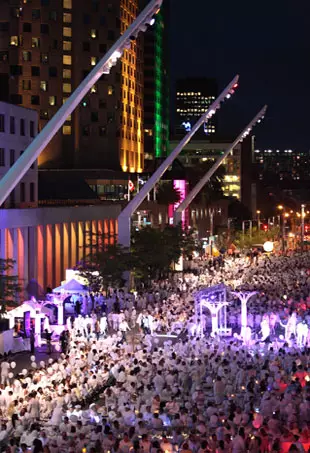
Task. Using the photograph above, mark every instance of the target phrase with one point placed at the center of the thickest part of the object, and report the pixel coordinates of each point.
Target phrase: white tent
(72, 287)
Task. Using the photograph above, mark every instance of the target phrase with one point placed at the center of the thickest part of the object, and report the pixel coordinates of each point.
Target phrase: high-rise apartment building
(156, 87)
(193, 97)
(47, 47)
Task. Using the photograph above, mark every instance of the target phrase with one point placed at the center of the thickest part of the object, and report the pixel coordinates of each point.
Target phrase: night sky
(267, 43)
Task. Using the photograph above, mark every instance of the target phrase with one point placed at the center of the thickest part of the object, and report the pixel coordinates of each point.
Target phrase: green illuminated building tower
(156, 90)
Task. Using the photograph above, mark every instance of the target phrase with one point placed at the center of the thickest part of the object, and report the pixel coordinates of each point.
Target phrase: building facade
(156, 88)
(44, 242)
(193, 97)
(283, 163)
(47, 47)
(197, 152)
(18, 127)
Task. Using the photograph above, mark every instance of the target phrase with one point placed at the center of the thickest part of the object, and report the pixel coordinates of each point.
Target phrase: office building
(198, 152)
(47, 47)
(193, 97)
(18, 128)
(284, 164)
(156, 88)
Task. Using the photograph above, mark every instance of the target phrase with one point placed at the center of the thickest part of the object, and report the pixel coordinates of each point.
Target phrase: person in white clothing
(5, 368)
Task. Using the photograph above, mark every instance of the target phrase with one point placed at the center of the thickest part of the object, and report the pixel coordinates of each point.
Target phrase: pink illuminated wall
(181, 186)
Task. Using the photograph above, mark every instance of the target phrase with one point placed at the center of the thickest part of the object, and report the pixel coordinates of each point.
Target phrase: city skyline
(267, 46)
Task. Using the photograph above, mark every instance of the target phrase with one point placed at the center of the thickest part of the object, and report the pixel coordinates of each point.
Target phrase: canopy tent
(73, 286)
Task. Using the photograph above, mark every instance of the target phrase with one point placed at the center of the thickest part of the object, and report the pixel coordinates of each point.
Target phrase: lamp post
(302, 226)
(285, 216)
(258, 219)
(280, 207)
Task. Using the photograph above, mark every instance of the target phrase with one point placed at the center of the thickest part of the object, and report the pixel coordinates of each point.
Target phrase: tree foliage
(153, 251)
(9, 286)
(166, 194)
(191, 243)
(258, 237)
(105, 267)
(152, 255)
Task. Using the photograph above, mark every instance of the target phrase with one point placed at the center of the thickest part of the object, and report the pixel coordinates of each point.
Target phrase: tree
(166, 194)
(9, 287)
(153, 251)
(191, 243)
(258, 237)
(105, 267)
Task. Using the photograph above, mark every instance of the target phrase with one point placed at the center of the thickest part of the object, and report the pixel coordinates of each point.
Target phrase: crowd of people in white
(109, 392)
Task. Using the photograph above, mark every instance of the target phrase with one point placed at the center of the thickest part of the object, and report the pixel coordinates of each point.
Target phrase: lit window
(110, 90)
(43, 85)
(43, 114)
(52, 100)
(67, 46)
(93, 89)
(67, 18)
(66, 87)
(93, 61)
(67, 32)
(35, 42)
(44, 58)
(26, 56)
(66, 130)
(14, 41)
(67, 59)
(66, 73)
(93, 33)
(67, 4)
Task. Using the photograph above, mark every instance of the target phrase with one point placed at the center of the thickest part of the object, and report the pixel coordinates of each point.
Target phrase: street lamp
(258, 219)
(285, 216)
(302, 226)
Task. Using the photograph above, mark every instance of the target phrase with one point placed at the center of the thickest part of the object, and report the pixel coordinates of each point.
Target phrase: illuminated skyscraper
(193, 97)
(47, 47)
(156, 87)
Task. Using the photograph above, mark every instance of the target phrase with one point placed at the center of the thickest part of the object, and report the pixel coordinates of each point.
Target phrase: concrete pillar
(14, 235)
(58, 255)
(49, 256)
(81, 241)
(69, 231)
(33, 255)
(24, 232)
(3, 245)
(74, 244)
(65, 249)
(40, 255)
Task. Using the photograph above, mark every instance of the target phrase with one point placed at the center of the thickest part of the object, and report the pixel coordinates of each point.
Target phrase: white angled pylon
(177, 218)
(124, 219)
(32, 152)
